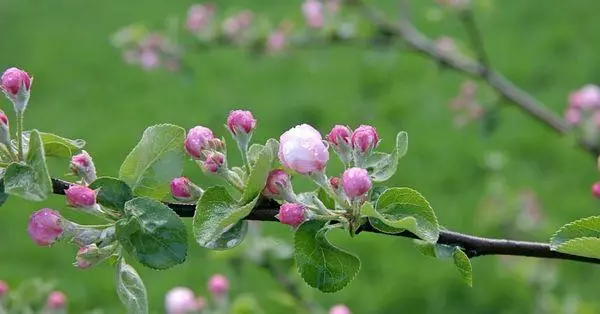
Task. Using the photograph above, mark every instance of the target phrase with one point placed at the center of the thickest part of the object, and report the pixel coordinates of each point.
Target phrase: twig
(407, 32)
(473, 246)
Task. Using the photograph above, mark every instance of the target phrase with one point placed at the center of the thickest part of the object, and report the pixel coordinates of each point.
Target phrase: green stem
(20, 135)
(243, 148)
(321, 180)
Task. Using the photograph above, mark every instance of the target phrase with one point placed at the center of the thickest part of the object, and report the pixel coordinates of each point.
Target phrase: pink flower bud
(197, 140)
(12, 81)
(356, 182)
(56, 300)
(181, 300)
(3, 119)
(199, 15)
(276, 41)
(80, 261)
(302, 150)
(278, 182)
(45, 226)
(313, 13)
(339, 309)
(340, 134)
(3, 288)
(596, 189)
(292, 214)
(365, 138)
(83, 166)
(149, 59)
(586, 98)
(80, 196)
(180, 188)
(573, 116)
(214, 162)
(218, 285)
(334, 182)
(240, 121)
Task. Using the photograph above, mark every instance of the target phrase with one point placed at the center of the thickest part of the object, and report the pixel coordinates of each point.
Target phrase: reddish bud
(12, 81)
(356, 182)
(277, 182)
(596, 189)
(80, 196)
(56, 300)
(340, 134)
(197, 140)
(292, 214)
(240, 121)
(365, 138)
(334, 182)
(80, 261)
(214, 162)
(45, 226)
(218, 285)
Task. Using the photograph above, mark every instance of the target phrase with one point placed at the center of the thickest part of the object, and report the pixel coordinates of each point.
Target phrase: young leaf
(399, 209)
(463, 264)
(383, 166)
(321, 264)
(57, 146)
(230, 238)
(152, 233)
(31, 181)
(54, 145)
(112, 192)
(326, 199)
(585, 227)
(216, 213)
(253, 152)
(260, 171)
(584, 246)
(155, 161)
(131, 289)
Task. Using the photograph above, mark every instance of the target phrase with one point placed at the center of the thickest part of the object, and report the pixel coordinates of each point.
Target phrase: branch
(406, 31)
(473, 246)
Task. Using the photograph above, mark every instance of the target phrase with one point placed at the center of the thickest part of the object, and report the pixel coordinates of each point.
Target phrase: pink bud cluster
(465, 105)
(316, 12)
(199, 17)
(150, 51)
(583, 106)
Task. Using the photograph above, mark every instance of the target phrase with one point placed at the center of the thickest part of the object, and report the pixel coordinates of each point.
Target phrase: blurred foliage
(83, 89)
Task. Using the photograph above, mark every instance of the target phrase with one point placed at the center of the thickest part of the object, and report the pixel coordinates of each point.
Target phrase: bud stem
(242, 144)
(20, 135)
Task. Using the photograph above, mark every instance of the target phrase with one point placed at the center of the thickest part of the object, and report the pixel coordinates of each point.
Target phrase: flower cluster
(323, 20)
(31, 299)
(583, 108)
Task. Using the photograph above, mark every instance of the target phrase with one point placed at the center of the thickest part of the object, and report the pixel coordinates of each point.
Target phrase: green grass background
(83, 89)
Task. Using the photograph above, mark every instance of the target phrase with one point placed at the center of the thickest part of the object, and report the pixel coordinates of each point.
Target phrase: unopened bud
(92, 255)
(45, 226)
(292, 214)
(339, 139)
(365, 139)
(197, 140)
(218, 285)
(214, 162)
(240, 121)
(181, 300)
(278, 185)
(339, 309)
(335, 183)
(56, 300)
(80, 196)
(184, 190)
(356, 182)
(83, 166)
(596, 189)
(16, 85)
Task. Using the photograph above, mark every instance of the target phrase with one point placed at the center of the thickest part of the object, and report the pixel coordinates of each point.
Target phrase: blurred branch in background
(406, 30)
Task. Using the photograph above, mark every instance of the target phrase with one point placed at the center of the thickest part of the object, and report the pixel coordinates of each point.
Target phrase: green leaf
(463, 264)
(253, 152)
(155, 161)
(230, 238)
(31, 181)
(216, 213)
(131, 289)
(54, 145)
(260, 171)
(399, 209)
(112, 192)
(584, 246)
(57, 146)
(586, 227)
(152, 233)
(321, 264)
(3, 194)
(383, 166)
(327, 200)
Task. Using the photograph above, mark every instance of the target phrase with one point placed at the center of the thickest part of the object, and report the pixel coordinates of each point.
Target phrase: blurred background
(513, 179)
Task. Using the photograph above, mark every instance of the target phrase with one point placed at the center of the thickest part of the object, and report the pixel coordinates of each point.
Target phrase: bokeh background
(83, 89)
